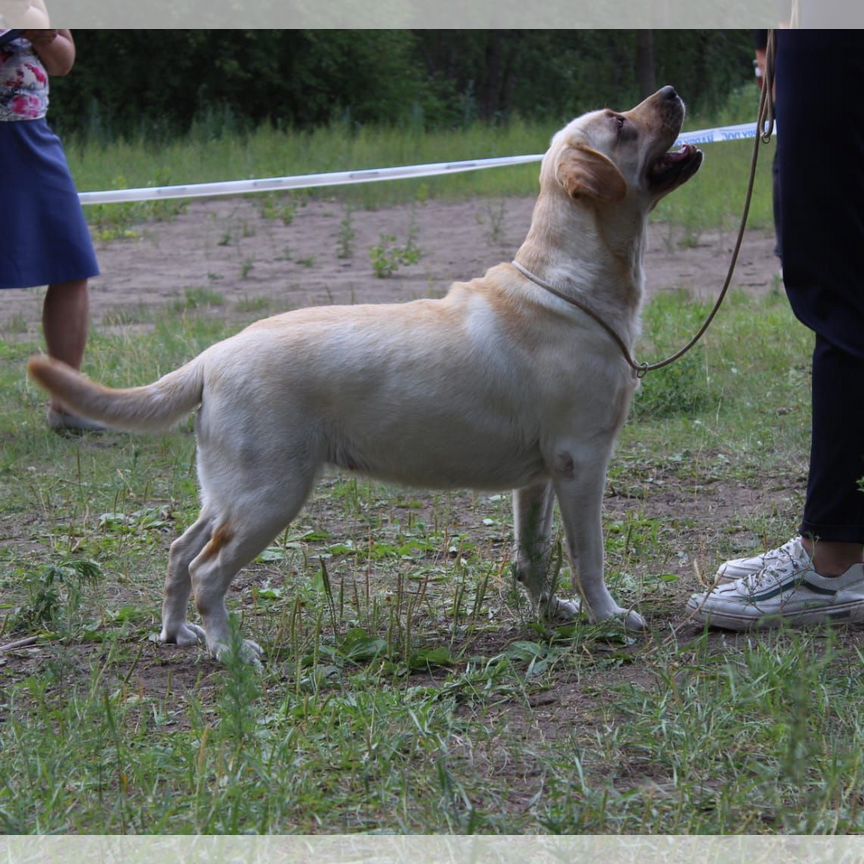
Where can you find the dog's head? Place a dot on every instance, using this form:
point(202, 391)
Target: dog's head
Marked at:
point(606, 156)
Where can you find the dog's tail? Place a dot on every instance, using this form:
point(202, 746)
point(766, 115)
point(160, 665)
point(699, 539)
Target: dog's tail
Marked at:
point(153, 407)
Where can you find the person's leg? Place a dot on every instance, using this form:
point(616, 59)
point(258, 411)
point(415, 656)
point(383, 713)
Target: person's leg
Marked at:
point(832, 527)
point(65, 323)
point(821, 185)
point(833, 524)
point(776, 203)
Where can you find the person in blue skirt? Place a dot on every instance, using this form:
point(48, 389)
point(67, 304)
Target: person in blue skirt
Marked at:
point(44, 238)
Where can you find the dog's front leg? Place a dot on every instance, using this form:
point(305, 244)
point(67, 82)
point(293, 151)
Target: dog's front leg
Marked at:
point(532, 521)
point(579, 489)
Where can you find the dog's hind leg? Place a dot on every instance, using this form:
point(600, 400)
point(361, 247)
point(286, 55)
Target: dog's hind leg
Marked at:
point(178, 585)
point(243, 530)
point(533, 507)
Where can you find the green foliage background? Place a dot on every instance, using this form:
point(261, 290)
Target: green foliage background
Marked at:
point(159, 83)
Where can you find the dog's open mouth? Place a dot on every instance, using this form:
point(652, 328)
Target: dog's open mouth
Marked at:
point(674, 168)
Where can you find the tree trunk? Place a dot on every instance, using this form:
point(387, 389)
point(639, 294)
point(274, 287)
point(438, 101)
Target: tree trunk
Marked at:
point(645, 73)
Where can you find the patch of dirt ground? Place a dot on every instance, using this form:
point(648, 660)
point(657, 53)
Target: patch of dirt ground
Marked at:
point(229, 247)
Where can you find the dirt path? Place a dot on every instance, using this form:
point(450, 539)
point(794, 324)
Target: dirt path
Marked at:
point(237, 254)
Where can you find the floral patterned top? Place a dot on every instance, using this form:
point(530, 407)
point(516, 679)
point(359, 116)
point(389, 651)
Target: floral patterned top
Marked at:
point(23, 82)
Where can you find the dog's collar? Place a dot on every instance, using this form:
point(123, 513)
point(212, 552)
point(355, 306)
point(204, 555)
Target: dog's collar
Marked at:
point(638, 369)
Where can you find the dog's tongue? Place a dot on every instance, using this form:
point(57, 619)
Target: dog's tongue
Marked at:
point(678, 155)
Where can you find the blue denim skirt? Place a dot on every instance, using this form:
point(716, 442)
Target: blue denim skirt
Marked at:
point(44, 238)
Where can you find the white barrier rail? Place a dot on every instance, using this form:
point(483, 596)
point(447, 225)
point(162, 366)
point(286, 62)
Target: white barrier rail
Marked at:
point(370, 175)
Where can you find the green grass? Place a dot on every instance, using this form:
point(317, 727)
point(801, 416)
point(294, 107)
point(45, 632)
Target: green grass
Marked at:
point(713, 203)
point(267, 152)
point(717, 199)
point(760, 739)
point(408, 688)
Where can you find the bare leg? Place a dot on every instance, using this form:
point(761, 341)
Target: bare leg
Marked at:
point(832, 558)
point(65, 321)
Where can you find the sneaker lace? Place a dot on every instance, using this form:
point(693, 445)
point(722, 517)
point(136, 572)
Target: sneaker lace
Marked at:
point(782, 564)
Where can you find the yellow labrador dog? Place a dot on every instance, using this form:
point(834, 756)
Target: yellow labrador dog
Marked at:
point(499, 385)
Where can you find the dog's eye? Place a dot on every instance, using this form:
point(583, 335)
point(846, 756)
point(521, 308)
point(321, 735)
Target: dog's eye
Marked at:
point(624, 129)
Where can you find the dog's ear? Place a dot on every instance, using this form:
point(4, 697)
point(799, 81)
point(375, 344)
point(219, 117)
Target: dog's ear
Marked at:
point(585, 172)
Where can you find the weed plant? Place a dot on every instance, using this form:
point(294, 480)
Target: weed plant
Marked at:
point(347, 235)
point(387, 256)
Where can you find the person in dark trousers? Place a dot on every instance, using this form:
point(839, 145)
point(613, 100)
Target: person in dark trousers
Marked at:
point(818, 575)
point(760, 38)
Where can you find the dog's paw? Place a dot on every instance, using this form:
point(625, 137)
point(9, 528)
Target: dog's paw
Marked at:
point(633, 621)
point(630, 619)
point(562, 611)
point(251, 653)
point(183, 636)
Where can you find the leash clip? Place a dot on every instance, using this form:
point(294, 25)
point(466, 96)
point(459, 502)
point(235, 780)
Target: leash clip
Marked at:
point(642, 370)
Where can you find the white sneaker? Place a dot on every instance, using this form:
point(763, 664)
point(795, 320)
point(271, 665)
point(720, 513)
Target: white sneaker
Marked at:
point(738, 568)
point(786, 589)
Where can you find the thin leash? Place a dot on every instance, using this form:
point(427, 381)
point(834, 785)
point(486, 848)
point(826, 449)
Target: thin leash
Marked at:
point(765, 126)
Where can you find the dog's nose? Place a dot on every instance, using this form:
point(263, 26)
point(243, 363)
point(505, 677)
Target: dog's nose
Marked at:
point(668, 92)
